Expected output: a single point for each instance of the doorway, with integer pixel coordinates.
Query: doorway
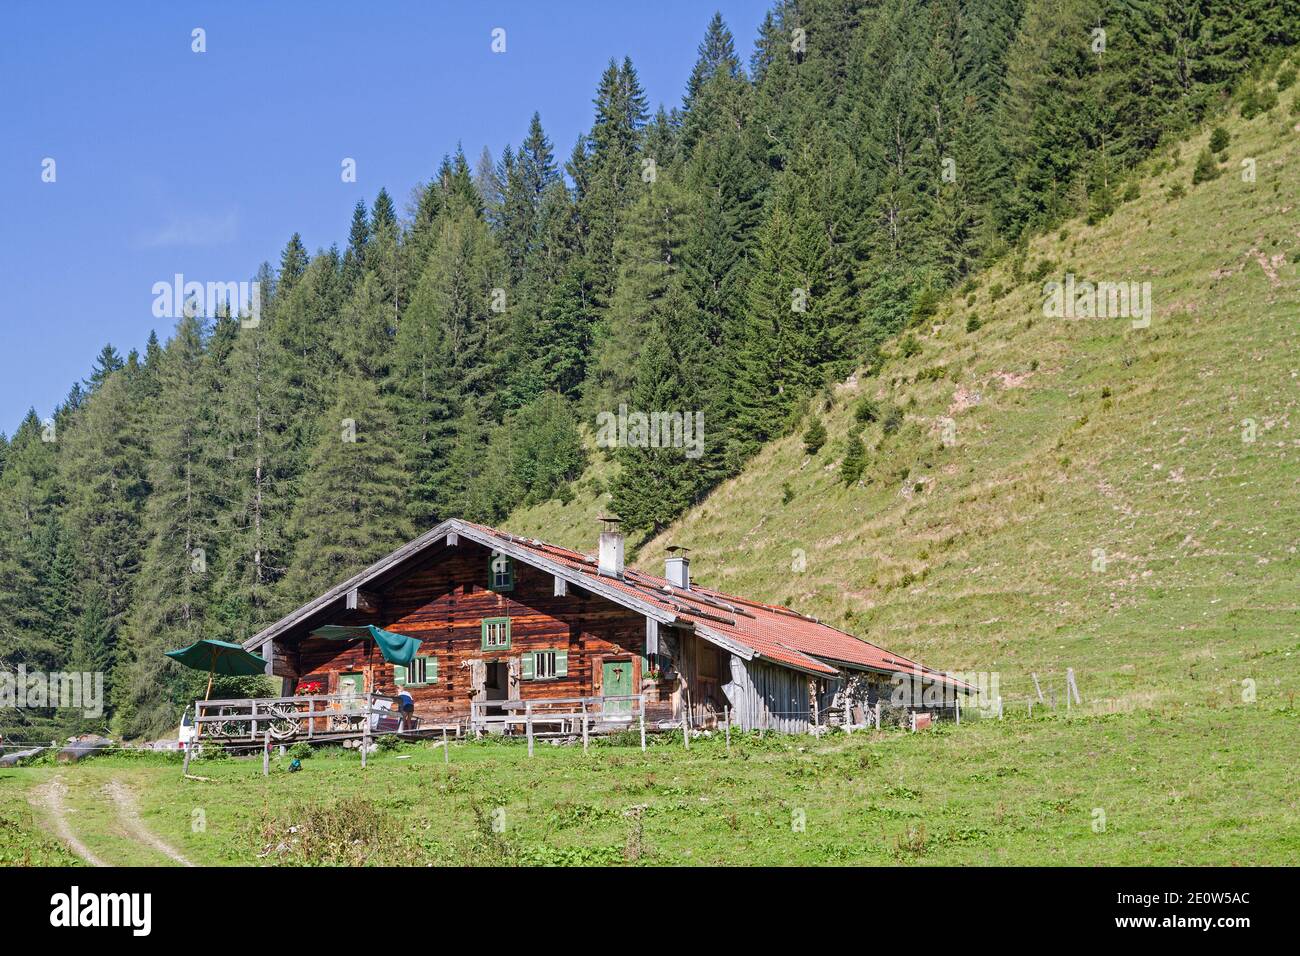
(352, 685)
(496, 683)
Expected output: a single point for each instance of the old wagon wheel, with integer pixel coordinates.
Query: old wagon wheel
(229, 726)
(285, 722)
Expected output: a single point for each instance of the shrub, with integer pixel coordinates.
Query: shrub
(973, 323)
(893, 420)
(1258, 100)
(814, 437)
(300, 751)
(1206, 168)
(909, 346)
(1131, 192)
(855, 460)
(1286, 78)
(866, 410)
(1219, 140)
(1176, 191)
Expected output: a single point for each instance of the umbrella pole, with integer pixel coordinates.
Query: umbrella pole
(212, 672)
(207, 695)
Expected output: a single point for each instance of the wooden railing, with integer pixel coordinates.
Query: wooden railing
(563, 715)
(285, 718)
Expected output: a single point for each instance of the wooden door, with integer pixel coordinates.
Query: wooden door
(352, 684)
(616, 681)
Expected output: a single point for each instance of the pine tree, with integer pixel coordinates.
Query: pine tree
(179, 528)
(658, 482)
(647, 255)
(354, 259)
(349, 511)
(107, 362)
(103, 463)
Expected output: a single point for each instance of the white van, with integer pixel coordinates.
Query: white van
(185, 736)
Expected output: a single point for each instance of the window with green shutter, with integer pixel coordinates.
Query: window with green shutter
(422, 671)
(501, 572)
(545, 665)
(496, 634)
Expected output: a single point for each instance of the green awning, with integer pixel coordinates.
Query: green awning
(396, 648)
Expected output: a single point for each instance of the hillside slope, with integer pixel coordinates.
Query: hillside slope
(1102, 503)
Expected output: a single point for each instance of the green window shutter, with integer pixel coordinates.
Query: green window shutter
(399, 675)
(528, 666)
(561, 663)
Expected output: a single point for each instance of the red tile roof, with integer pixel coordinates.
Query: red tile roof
(769, 630)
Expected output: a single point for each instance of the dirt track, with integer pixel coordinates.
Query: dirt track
(50, 797)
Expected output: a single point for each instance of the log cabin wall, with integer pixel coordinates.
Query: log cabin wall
(443, 600)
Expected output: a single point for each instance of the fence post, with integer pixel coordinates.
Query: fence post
(686, 734)
(266, 755)
(877, 714)
(999, 708)
(584, 726)
(189, 746)
(726, 712)
(1031, 708)
(913, 721)
(528, 724)
(957, 703)
(643, 726)
(365, 732)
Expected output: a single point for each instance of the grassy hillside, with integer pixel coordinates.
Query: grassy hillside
(1069, 438)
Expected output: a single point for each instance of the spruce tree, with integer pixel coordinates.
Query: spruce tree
(349, 510)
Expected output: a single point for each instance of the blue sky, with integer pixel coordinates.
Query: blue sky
(168, 161)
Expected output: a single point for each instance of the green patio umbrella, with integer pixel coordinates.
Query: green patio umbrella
(219, 657)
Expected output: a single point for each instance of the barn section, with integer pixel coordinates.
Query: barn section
(509, 619)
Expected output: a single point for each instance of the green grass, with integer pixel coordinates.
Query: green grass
(1176, 786)
(23, 841)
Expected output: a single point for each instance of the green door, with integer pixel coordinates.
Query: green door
(352, 685)
(617, 682)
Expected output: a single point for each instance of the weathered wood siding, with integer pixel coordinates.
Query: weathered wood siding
(767, 697)
(443, 601)
(701, 670)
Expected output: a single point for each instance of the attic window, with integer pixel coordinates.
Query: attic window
(501, 572)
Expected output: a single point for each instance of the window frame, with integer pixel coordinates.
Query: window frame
(402, 672)
(530, 659)
(492, 583)
(486, 622)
